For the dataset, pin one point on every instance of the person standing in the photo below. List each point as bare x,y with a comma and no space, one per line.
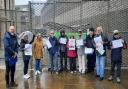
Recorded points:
116,56
26,58
63,50
80,52
91,58
53,52
72,53
38,52
100,54
11,51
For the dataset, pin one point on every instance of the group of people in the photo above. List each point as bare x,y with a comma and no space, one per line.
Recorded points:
93,47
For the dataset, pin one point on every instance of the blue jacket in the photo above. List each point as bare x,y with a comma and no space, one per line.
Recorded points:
10,45
54,43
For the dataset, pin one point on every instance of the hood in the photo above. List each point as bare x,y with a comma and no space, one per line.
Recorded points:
62,32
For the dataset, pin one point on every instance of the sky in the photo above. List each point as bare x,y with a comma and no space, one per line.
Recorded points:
24,2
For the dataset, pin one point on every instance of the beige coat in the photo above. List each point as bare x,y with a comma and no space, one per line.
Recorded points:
37,49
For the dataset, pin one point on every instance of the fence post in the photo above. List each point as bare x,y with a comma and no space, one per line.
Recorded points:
30,16
5,9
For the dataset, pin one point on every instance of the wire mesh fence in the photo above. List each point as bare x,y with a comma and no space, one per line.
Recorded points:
71,15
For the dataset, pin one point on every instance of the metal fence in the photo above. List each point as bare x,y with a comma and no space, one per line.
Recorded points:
71,15
18,18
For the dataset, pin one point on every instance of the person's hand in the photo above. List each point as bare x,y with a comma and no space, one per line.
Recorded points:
15,55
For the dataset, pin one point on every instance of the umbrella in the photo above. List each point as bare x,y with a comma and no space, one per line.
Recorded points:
28,33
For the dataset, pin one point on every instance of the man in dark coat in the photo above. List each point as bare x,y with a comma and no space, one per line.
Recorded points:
63,50
116,57
11,50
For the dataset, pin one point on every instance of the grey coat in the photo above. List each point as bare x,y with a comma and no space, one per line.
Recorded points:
80,50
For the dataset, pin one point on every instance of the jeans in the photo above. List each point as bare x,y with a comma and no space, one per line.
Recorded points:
37,64
100,65
7,72
26,63
118,65
81,60
72,62
54,61
63,56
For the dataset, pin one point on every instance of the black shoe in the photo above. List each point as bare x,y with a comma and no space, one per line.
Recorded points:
7,86
13,84
101,78
61,70
97,76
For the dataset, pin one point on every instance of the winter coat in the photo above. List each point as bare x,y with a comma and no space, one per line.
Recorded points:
116,53
37,49
10,45
54,43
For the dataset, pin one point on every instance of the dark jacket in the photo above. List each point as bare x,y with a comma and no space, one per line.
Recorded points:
89,42
54,43
22,45
116,53
63,46
105,43
10,45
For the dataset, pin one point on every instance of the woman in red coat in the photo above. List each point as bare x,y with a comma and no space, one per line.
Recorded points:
72,53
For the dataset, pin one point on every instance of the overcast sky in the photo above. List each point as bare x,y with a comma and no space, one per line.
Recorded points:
24,2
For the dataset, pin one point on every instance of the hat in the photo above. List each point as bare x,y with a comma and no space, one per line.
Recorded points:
115,31
91,29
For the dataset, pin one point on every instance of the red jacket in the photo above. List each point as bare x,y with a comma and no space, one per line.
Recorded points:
71,53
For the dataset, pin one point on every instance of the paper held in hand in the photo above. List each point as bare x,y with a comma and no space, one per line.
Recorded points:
89,51
80,42
63,40
100,49
71,44
48,44
28,49
98,39
117,43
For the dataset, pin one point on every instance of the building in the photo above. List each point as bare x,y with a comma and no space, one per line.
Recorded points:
22,18
7,8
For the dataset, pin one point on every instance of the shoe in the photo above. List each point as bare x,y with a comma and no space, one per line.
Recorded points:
83,72
26,76
71,72
13,84
101,78
7,86
57,72
75,71
97,76
118,80
110,78
36,73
